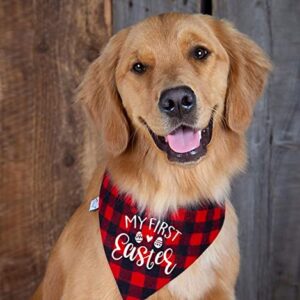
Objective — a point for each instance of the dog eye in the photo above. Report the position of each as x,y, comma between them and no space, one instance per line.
139,68
200,53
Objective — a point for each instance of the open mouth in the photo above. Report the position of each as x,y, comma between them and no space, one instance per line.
184,144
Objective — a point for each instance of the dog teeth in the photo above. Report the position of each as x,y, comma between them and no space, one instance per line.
200,134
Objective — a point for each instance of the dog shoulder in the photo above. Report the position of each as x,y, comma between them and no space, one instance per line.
78,249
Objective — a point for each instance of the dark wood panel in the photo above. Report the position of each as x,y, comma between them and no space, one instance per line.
285,156
128,12
45,48
266,197
250,193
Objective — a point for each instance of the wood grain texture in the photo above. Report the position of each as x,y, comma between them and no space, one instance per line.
45,46
128,12
250,193
285,156
267,196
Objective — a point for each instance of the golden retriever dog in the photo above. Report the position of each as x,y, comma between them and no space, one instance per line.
171,98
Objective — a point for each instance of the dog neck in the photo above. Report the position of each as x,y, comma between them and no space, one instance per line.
160,186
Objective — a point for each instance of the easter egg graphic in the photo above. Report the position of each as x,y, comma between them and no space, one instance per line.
139,237
158,242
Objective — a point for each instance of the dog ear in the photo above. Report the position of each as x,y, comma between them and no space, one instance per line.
249,68
99,93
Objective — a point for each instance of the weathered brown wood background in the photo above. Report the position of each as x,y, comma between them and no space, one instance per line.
45,47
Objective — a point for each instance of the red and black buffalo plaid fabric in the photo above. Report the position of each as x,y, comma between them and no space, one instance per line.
145,252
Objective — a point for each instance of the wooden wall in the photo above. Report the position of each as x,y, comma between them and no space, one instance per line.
267,197
45,48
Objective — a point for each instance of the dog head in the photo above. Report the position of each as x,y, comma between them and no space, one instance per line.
175,83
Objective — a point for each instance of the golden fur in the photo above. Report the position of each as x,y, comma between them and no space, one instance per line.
229,82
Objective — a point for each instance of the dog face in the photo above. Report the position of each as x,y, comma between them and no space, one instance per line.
175,81
172,76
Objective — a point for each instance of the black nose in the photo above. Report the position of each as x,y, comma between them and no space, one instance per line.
177,101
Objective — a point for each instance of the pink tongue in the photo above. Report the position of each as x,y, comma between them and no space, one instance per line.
183,140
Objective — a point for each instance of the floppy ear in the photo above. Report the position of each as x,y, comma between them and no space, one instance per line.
99,93
249,68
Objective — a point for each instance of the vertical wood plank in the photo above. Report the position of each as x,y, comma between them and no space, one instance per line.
45,46
250,193
285,156
128,12
266,197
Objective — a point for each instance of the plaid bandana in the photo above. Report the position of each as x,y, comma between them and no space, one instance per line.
145,253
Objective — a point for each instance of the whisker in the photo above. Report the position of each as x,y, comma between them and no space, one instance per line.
215,111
